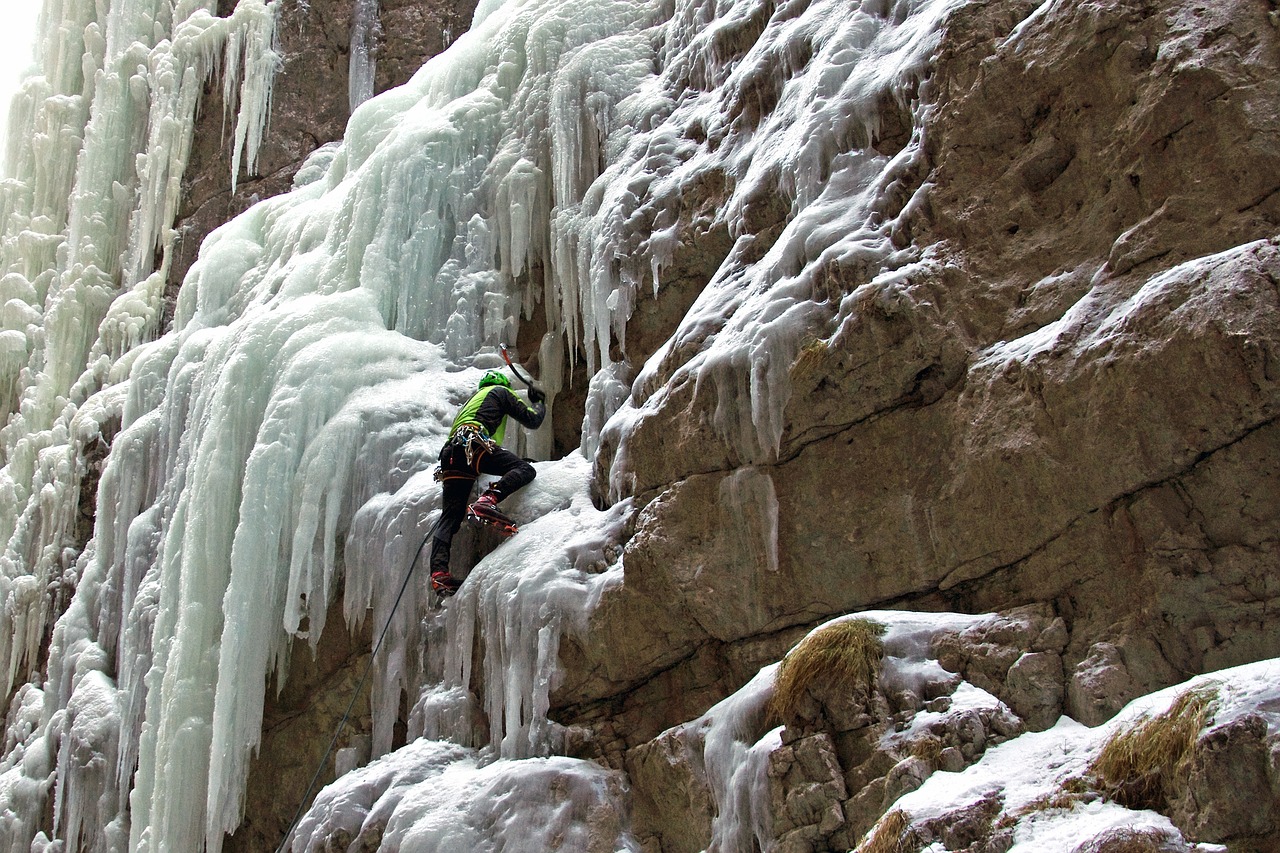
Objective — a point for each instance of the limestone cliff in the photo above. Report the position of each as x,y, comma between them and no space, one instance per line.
1067,398
1047,406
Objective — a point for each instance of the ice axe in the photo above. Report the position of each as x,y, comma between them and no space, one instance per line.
506,356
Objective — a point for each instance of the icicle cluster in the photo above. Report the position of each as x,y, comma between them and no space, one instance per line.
291,408
364,63
830,68
84,211
522,598
83,217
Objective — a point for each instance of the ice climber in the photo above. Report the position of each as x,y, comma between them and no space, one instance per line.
474,448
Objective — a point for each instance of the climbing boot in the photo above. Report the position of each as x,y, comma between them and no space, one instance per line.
444,584
485,511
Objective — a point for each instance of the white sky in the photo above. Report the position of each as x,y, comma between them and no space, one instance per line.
17,35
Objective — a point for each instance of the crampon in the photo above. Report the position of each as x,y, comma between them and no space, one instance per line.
444,584
480,513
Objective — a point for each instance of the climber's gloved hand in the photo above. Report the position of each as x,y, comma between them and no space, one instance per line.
536,396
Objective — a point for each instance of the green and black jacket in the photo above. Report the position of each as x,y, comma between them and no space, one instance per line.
489,407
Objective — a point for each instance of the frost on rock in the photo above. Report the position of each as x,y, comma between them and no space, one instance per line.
1038,787
789,116
753,779
753,503
736,765
606,394
926,760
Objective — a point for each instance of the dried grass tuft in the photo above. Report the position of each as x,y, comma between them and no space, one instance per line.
929,748
843,654
886,836
1061,800
1133,840
1136,764
812,357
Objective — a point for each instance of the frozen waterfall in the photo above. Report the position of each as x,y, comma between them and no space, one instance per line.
274,447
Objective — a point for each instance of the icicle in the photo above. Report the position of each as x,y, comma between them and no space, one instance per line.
606,393
364,35
262,61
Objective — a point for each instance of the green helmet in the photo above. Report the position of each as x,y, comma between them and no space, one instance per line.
495,377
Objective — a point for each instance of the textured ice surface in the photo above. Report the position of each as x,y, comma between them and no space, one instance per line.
283,431
432,795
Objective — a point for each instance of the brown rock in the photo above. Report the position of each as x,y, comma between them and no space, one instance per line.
907,775
1228,794
1033,689
961,472
671,799
865,807
1100,686
969,828
1074,403
807,787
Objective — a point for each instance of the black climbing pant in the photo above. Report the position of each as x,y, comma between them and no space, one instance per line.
458,478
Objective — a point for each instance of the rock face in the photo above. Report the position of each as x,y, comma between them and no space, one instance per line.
845,756
845,762
1070,400
1236,758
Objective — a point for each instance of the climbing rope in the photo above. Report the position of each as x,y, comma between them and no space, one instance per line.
343,722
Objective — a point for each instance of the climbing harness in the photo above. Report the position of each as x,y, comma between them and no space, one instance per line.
475,442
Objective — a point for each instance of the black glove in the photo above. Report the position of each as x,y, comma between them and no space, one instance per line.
536,396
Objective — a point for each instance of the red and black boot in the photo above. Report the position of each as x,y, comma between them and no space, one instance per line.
485,511
444,584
